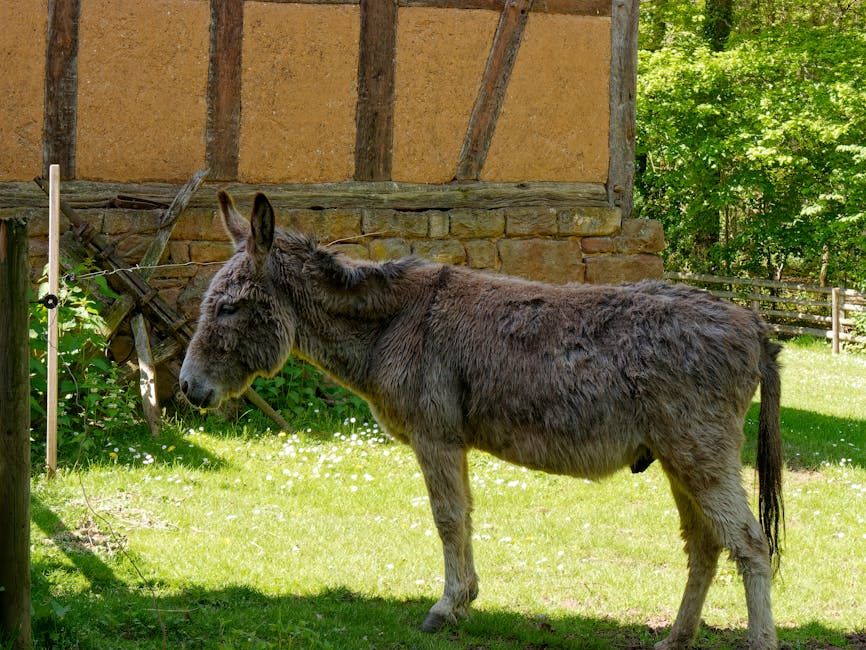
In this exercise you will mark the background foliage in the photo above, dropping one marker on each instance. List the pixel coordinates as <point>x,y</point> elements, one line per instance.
<point>752,136</point>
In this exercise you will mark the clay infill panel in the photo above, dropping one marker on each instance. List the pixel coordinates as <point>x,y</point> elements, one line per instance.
<point>141,91</point>
<point>440,59</point>
<point>555,118</point>
<point>300,66</point>
<point>22,48</point>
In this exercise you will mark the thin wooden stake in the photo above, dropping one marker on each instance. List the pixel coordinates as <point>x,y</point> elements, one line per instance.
<point>835,317</point>
<point>53,329</point>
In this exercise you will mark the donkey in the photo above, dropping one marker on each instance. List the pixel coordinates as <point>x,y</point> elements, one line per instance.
<point>578,380</point>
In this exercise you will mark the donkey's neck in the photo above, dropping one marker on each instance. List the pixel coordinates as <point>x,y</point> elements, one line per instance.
<point>341,348</point>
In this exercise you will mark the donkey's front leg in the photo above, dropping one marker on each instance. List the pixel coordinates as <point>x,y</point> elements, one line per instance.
<point>446,475</point>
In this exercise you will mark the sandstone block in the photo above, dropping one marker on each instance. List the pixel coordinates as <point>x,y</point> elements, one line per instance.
<point>325,225</point>
<point>388,249</point>
<point>474,224</point>
<point>210,251</point>
<point>480,254</point>
<point>202,224</point>
<point>593,245</point>
<point>446,251</point>
<point>125,222</point>
<point>439,224</point>
<point>393,223</point>
<point>531,221</point>
<point>641,236</point>
<point>178,251</point>
<point>548,260</point>
<point>589,221</point>
<point>615,269</point>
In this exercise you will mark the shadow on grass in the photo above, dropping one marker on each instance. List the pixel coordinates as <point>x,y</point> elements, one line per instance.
<point>811,439</point>
<point>119,612</point>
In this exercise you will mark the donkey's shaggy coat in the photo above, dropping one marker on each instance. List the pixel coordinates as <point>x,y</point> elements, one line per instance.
<point>579,380</point>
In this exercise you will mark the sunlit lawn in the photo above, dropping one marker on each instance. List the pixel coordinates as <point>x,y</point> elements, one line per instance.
<point>249,538</point>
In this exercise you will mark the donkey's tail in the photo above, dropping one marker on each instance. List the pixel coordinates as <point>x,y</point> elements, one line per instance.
<point>771,509</point>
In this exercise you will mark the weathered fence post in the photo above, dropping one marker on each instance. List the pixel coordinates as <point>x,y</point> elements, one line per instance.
<point>835,318</point>
<point>14,437</point>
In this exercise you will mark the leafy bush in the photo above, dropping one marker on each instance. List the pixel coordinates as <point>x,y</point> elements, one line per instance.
<point>92,400</point>
<point>306,396</point>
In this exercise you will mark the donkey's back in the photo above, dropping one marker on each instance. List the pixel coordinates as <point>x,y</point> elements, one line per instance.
<point>575,379</point>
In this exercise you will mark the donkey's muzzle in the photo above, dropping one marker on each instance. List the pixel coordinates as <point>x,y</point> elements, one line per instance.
<point>197,393</point>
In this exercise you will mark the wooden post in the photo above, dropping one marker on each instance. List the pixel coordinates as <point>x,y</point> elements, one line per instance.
<point>14,437</point>
<point>835,318</point>
<point>53,325</point>
<point>623,91</point>
<point>147,374</point>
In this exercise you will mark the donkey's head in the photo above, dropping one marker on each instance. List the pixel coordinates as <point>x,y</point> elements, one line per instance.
<point>243,329</point>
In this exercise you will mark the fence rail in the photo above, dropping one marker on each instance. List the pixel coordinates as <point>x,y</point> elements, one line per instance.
<point>790,307</point>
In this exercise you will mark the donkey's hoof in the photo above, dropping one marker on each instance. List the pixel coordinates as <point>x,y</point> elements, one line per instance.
<point>435,622</point>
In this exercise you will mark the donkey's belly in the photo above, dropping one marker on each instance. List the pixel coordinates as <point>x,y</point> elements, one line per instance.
<point>572,453</point>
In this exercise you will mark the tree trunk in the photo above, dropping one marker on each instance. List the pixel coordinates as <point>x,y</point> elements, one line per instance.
<point>14,437</point>
<point>718,22</point>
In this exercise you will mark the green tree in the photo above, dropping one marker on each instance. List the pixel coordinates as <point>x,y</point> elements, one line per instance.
<point>754,157</point>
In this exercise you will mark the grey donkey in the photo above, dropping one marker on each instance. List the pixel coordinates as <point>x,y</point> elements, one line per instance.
<point>579,380</point>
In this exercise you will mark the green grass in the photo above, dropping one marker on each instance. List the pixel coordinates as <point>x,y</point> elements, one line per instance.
<point>248,538</point>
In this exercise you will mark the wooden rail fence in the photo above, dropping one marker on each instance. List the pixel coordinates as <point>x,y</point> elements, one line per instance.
<point>790,307</point>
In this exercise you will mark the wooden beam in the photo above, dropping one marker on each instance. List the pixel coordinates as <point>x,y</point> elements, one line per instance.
<point>397,196</point>
<point>491,93</point>
<point>374,113</point>
<point>61,87</point>
<point>623,89</point>
<point>569,7</point>
<point>14,437</point>
<point>224,88</point>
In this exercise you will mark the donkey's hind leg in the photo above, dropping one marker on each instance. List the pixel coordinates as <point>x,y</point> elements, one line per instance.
<point>720,496</point>
<point>703,549</point>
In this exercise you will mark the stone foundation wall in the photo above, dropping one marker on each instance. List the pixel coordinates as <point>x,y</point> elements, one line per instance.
<point>582,244</point>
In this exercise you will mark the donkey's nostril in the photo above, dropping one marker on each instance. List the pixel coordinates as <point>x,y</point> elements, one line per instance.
<point>184,386</point>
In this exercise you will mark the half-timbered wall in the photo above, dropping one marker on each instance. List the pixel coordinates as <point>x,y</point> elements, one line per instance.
<point>493,133</point>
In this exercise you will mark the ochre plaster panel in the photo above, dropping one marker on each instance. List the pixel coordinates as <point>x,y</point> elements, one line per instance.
<point>440,58</point>
<point>554,120</point>
<point>142,76</point>
<point>22,48</point>
<point>300,66</point>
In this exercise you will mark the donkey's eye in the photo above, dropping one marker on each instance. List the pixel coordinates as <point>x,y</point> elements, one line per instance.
<point>226,309</point>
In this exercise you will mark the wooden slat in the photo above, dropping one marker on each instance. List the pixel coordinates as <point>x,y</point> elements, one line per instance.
<point>623,89</point>
<point>491,92</point>
<point>224,88</point>
<point>374,114</point>
<point>749,282</point>
<point>61,87</point>
<point>398,196</point>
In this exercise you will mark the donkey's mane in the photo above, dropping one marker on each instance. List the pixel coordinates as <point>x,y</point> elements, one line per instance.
<point>348,285</point>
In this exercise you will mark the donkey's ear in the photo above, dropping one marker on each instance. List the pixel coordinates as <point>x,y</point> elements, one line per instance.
<point>262,225</point>
<point>237,227</point>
